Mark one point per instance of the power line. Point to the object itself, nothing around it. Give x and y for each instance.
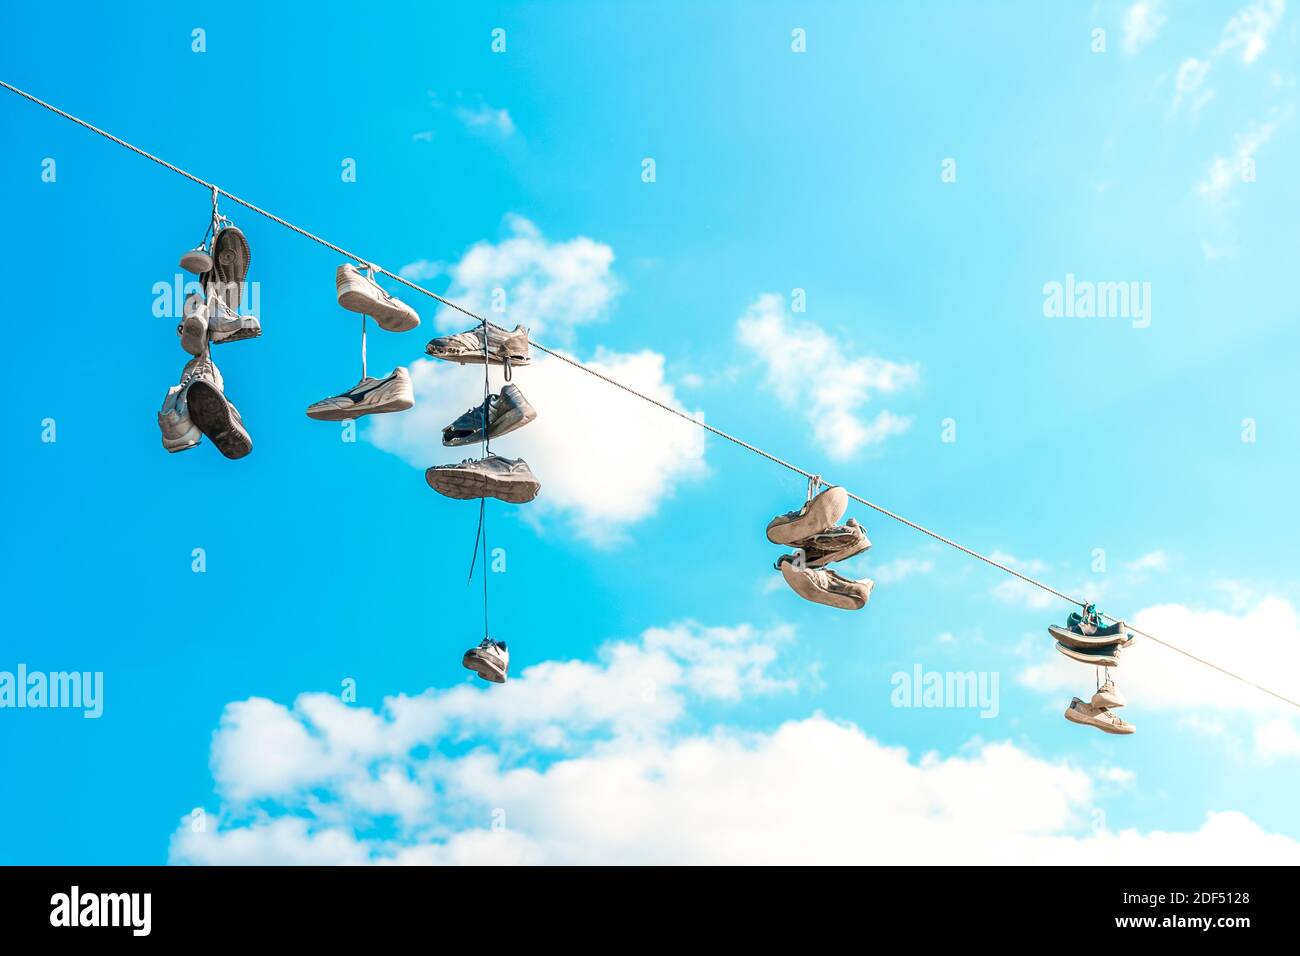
(218, 191)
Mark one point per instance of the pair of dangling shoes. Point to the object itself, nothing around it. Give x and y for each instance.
(198, 406)
(819, 539)
(1098, 711)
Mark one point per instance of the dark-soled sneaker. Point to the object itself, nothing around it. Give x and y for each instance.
(505, 413)
(213, 413)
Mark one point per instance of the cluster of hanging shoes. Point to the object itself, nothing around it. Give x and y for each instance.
(818, 539)
(358, 291)
(492, 476)
(198, 405)
(1088, 640)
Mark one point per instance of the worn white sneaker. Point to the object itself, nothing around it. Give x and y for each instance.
(509, 479)
(1108, 695)
(467, 348)
(370, 396)
(179, 433)
(834, 544)
(817, 515)
(1081, 713)
(227, 325)
(357, 292)
(197, 261)
(1098, 657)
(490, 660)
(824, 586)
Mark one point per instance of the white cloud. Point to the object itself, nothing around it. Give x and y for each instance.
(1248, 31)
(1142, 22)
(543, 285)
(1153, 561)
(1226, 172)
(814, 373)
(1263, 645)
(1020, 593)
(891, 572)
(485, 117)
(606, 459)
(579, 762)
(1277, 738)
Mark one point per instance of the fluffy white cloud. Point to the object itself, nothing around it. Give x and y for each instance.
(812, 372)
(460, 776)
(526, 280)
(605, 458)
(891, 572)
(1262, 644)
(1142, 22)
(1248, 31)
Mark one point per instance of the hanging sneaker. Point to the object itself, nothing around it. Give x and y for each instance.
(230, 260)
(1080, 713)
(505, 413)
(193, 328)
(825, 586)
(358, 292)
(492, 477)
(212, 412)
(817, 515)
(466, 348)
(1089, 630)
(370, 396)
(179, 433)
(1108, 695)
(834, 544)
(490, 660)
(227, 325)
(197, 261)
(1099, 656)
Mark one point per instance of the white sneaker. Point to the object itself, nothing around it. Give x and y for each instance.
(357, 292)
(490, 660)
(370, 396)
(179, 433)
(213, 413)
(197, 261)
(1108, 695)
(1080, 713)
(824, 586)
(227, 325)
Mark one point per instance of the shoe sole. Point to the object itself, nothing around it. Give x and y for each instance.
(464, 485)
(231, 275)
(826, 511)
(1076, 718)
(482, 668)
(194, 334)
(807, 590)
(476, 358)
(1084, 657)
(210, 411)
(343, 414)
(359, 297)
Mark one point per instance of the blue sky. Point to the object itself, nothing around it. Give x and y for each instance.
(679, 702)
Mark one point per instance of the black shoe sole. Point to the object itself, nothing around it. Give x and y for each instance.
(230, 277)
(210, 411)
